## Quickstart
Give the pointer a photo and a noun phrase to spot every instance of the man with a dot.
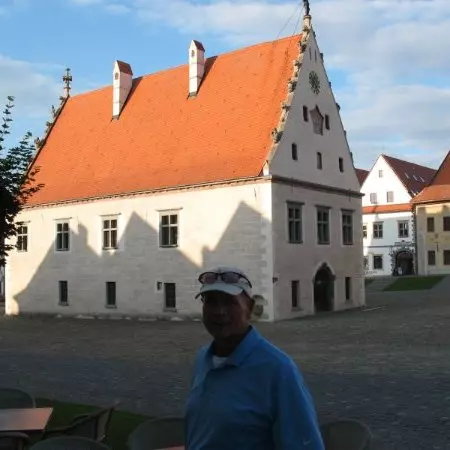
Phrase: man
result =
(246, 393)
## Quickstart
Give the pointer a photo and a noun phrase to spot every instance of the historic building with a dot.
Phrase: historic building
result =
(388, 225)
(237, 159)
(432, 212)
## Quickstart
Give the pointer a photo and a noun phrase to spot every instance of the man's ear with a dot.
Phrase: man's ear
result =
(251, 304)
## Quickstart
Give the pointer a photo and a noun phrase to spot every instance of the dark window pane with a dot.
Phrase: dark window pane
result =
(431, 258)
(173, 235)
(430, 224)
(63, 294)
(164, 220)
(114, 223)
(59, 227)
(173, 219)
(106, 224)
(170, 295)
(165, 236)
(65, 227)
(59, 244)
(110, 293)
(66, 241)
(294, 294)
(106, 239)
(113, 238)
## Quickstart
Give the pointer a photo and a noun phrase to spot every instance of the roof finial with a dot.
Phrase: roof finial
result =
(67, 79)
(306, 6)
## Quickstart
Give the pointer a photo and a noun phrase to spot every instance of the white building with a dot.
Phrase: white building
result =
(388, 226)
(239, 159)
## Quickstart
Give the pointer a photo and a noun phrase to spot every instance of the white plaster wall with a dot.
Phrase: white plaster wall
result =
(218, 226)
(301, 261)
(332, 144)
(383, 246)
(389, 182)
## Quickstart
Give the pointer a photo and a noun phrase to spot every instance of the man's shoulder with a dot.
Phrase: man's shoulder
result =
(275, 357)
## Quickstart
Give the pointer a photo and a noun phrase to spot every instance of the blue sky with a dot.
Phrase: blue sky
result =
(387, 59)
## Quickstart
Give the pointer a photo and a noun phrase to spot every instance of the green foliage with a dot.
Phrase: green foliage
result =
(420, 283)
(16, 180)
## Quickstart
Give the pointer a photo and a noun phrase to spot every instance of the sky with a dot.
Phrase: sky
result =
(387, 60)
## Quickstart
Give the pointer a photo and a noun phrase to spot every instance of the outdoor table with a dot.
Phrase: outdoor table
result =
(25, 420)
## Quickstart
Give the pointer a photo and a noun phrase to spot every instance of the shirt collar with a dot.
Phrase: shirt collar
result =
(242, 351)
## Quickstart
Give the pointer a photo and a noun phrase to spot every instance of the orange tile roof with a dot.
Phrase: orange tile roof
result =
(413, 176)
(439, 188)
(164, 139)
(362, 175)
(382, 209)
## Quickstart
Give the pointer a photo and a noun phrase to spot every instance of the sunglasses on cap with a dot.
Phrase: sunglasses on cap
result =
(226, 277)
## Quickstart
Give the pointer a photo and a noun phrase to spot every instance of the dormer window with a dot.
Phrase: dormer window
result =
(317, 120)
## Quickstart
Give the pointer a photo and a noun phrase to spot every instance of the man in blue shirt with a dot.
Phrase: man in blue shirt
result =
(246, 393)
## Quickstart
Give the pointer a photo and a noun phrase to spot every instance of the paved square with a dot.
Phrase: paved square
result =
(389, 367)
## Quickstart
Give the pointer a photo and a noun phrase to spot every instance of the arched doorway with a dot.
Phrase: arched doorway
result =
(404, 263)
(323, 289)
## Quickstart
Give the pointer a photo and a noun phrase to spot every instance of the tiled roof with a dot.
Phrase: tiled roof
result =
(164, 139)
(380, 209)
(413, 176)
(439, 189)
(362, 175)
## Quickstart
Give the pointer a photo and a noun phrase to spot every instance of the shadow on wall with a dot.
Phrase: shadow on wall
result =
(141, 270)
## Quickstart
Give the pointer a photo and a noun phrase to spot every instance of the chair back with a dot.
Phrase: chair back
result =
(92, 426)
(13, 441)
(15, 399)
(346, 434)
(159, 433)
(69, 443)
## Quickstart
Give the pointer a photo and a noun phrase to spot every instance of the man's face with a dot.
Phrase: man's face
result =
(225, 315)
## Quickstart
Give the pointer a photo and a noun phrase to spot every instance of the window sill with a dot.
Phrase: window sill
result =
(171, 310)
(168, 246)
(61, 250)
(111, 306)
(347, 243)
(323, 243)
(108, 249)
(295, 242)
(63, 304)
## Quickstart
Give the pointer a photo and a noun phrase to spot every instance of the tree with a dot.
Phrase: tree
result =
(16, 180)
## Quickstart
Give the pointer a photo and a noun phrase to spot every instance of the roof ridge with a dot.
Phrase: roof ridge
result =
(406, 161)
(221, 55)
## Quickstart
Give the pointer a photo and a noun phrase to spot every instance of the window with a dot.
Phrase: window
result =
(431, 258)
(319, 161)
(373, 198)
(317, 120)
(169, 230)
(348, 288)
(327, 121)
(62, 236)
(366, 263)
(294, 152)
(63, 293)
(364, 230)
(111, 294)
(323, 226)
(341, 164)
(295, 232)
(403, 229)
(305, 114)
(170, 298)
(390, 196)
(378, 262)
(380, 174)
(295, 293)
(347, 228)
(430, 224)
(378, 230)
(109, 234)
(446, 257)
(446, 223)
(22, 238)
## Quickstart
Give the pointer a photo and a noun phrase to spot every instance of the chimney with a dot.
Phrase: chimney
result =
(122, 81)
(196, 67)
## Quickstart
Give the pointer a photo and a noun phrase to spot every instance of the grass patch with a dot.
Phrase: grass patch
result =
(122, 423)
(414, 283)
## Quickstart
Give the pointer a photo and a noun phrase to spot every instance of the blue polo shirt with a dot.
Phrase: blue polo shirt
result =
(255, 400)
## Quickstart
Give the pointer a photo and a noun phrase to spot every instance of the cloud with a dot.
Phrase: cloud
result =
(115, 8)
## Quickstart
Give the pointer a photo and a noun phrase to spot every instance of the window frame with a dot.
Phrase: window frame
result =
(402, 222)
(295, 294)
(168, 307)
(446, 223)
(109, 285)
(431, 261)
(373, 262)
(374, 234)
(294, 206)
(373, 195)
(23, 237)
(430, 220)
(61, 233)
(348, 288)
(446, 257)
(346, 226)
(319, 160)
(341, 165)
(323, 225)
(169, 225)
(294, 151)
(391, 198)
(364, 231)
(110, 231)
(63, 293)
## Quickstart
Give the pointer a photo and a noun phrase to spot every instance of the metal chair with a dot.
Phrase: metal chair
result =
(15, 399)
(69, 443)
(159, 433)
(92, 426)
(346, 434)
(13, 441)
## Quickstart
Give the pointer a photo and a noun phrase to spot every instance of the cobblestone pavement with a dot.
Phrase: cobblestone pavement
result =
(388, 365)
